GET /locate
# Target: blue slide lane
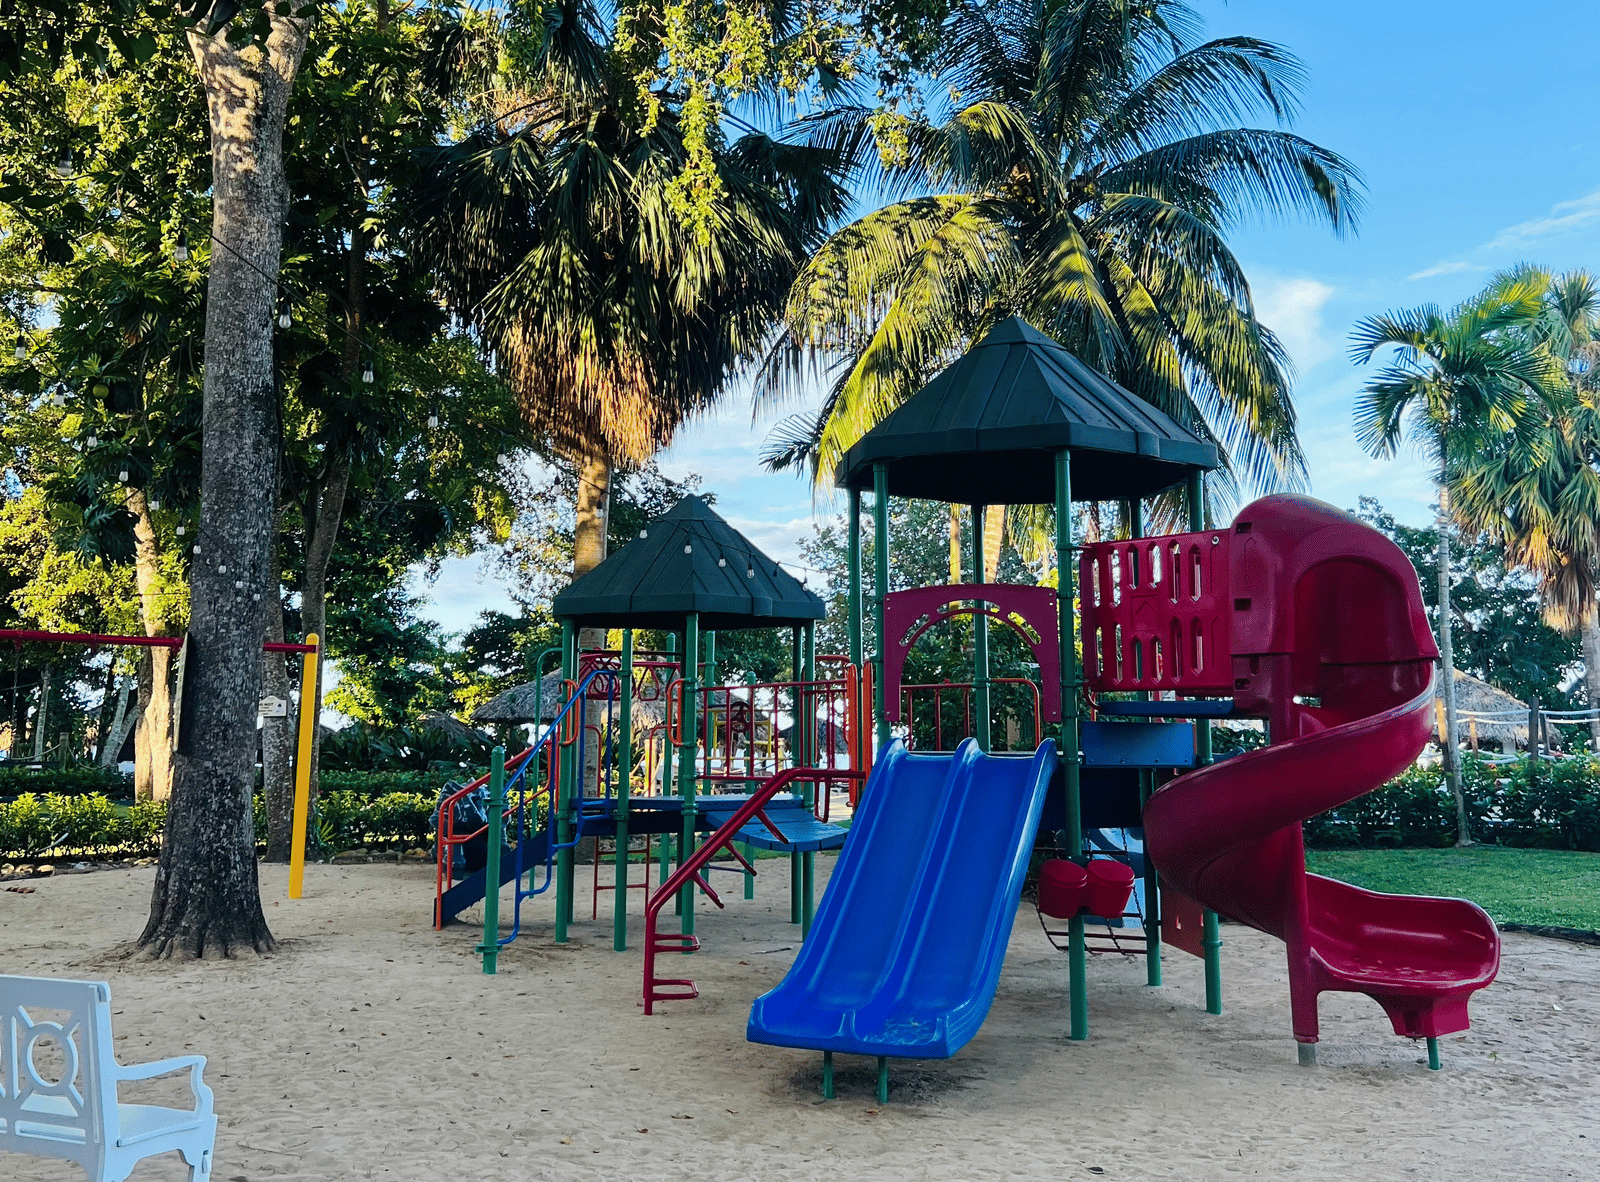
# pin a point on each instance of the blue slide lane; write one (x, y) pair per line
(905, 951)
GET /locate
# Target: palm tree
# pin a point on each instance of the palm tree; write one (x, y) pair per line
(1536, 489)
(1081, 169)
(1459, 381)
(554, 233)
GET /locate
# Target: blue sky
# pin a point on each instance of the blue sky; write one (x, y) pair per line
(1474, 126)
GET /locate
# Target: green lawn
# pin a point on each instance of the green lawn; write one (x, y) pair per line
(1559, 888)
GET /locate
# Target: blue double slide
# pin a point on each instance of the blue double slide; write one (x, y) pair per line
(905, 951)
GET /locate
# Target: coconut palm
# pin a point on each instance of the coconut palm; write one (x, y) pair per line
(553, 231)
(1081, 168)
(1458, 381)
(1536, 489)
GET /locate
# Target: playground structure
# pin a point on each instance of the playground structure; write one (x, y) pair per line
(593, 774)
(1295, 615)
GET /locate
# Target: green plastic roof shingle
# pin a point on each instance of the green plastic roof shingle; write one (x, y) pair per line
(985, 431)
(688, 560)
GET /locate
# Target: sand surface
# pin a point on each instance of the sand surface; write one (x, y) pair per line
(372, 1046)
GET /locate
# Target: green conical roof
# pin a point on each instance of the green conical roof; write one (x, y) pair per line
(689, 560)
(985, 431)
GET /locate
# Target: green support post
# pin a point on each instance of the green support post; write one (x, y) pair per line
(1077, 947)
(491, 870)
(569, 771)
(1433, 1055)
(745, 847)
(624, 774)
(1210, 929)
(880, 588)
(796, 759)
(854, 559)
(808, 859)
(980, 642)
(666, 779)
(827, 1075)
(690, 727)
(883, 1079)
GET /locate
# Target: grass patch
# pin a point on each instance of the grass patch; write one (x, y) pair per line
(1559, 888)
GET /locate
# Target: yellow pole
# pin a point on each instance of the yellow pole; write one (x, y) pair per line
(302, 767)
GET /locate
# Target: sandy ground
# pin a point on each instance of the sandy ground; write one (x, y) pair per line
(371, 1046)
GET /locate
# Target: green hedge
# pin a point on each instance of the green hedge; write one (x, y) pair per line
(372, 784)
(93, 826)
(71, 781)
(1558, 808)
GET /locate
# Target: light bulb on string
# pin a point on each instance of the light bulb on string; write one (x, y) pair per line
(433, 420)
(368, 376)
(155, 506)
(687, 548)
(21, 351)
(501, 458)
(180, 250)
(180, 531)
(64, 163)
(122, 476)
(94, 441)
(285, 316)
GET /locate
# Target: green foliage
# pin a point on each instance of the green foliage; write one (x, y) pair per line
(89, 825)
(348, 820)
(72, 781)
(93, 826)
(1079, 163)
(368, 784)
(1555, 888)
(1555, 806)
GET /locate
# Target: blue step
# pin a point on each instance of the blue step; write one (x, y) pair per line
(469, 890)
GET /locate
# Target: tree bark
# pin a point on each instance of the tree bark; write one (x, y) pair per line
(207, 898)
(121, 723)
(593, 512)
(1447, 741)
(994, 536)
(1590, 633)
(955, 544)
(277, 734)
(152, 743)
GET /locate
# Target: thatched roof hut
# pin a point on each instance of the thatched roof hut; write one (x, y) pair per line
(1496, 715)
(538, 701)
(459, 731)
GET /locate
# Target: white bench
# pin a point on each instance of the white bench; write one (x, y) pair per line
(58, 1085)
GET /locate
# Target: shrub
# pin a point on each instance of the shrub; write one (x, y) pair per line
(71, 781)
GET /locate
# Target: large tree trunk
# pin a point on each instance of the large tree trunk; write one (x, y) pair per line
(152, 743)
(593, 505)
(122, 721)
(994, 536)
(207, 899)
(1447, 741)
(277, 734)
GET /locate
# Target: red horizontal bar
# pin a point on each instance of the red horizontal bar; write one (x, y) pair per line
(18, 635)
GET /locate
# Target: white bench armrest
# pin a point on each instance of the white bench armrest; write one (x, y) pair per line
(193, 1064)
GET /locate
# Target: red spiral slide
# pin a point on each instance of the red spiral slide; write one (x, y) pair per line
(1329, 642)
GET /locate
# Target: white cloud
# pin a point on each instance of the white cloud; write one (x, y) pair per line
(1292, 307)
(1565, 218)
(1451, 268)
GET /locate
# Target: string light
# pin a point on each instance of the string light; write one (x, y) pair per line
(180, 531)
(722, 562)
(433, 420)
(367, 374)
(21, 351)
(750, 573)
(94, 441)
(644, 533)
(180, 251)
(64, 163)
(155, 506)
(688, 549)
(285, 316)
(501, 458)
(59, 397)
(122, 476)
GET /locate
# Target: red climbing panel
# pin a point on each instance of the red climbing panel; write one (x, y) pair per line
(1155, 614)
